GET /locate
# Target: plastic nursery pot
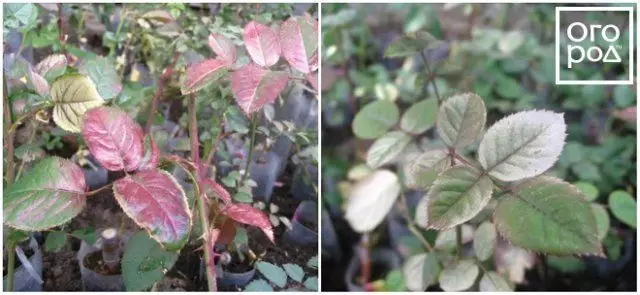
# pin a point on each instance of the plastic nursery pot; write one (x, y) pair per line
(606, 268)
(330, 241)
(235, 273)
(264, 171)
(383, 260)
(300, 108)
(302, 187)
(28, 278)
(304, 225)
(96, 175)
(98, 274)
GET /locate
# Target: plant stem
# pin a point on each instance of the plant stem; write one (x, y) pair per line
(252, 135)
(365, 260)
(459, 241)
(412, 226)
(156, 96)
(9, 136)
(431, 76)
(96, 191)
(202, 208)
(11, 264)
(32, 136)
(114, 46)
(62, 37)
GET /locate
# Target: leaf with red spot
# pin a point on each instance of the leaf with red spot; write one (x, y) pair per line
(253, 87)
(299, 38)
(223, 47)
(212, 188)
(48, 195)
(247, 214)
(262, 44)
(202, 73)
(155, 201)
(151, 155)
(313, 80)
(113, 138)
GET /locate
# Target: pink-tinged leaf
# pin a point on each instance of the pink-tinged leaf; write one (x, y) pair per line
(223, 47)
(299, 39)
(253, 87)
(313, 80)
(262, 44)
(213, 189)
(313, 62)
(52, 63)
(214, 234)
(151, 154)
(113, 138)
(49, 195)
(247, 214)
(155, 201)
(629, 114)
(40, 85)
(202, 73)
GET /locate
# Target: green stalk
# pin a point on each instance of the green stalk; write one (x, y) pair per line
(11, 267)
(459, 241)
(252, 135)
(9, 136)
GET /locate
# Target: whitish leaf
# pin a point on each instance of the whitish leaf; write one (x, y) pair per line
(200, 74)
(72, 96)
(623, 207)
(513, 261)
(273, 273)
(411, 44)
(262, 44)
(510, 42)
(420, 116)
(49, 195)
(375, 119)
(103, 74)
(371, 199)
(459, 276)
(157, 203)
(602, 220)
(421, 271)
(522, 145)
(421, 172)
(555, 215)
(422, 212)
(294, 271)
(447, 239)
(484, 242)
(52, 66)
(457, 195)
(223, 47)
(253, 87)
(258, 285)
(313, 262)
(299, 40)
(461, 119)
(385, 149)
(494, 282)
(145, 262)
(311, 283)
(55, 241)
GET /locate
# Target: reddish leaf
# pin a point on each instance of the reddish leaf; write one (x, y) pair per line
(223, 47)
(211, 188)
(113, 138)
(629, 114)
(299, 38)
(201, 74)
(151, 154)
(262, 44)
(247, 214)
(227, 231)
(253, 87)
(155, 201)
(40, 85)
(214, 233)
(313, 80)
(313, 62)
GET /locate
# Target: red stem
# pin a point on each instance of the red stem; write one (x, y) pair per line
(365, 260)
(156, 96)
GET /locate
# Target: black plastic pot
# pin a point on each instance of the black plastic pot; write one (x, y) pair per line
(25, 280)
(93, 281)
(307, 211)
(330, 241)
(300, 108)
(383, 258)
(239, 279)
(302, 187)
(264, 171)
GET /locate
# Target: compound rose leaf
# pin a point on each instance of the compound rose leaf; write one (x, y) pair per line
(247, 214)
(72, 96)
(212, 188)
(49, 195)
(155, 201)
(299, 39)
(113, 138)
(262, 44)
(461, 119)
(151, 156)
(202, 73)
(223, 47)
(253, 87)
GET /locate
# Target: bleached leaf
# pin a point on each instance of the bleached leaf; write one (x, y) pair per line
(459, 276)
(421, 271)
(461, 119)
(371, 199)
(513, 261)
(253, 87)
(422, 212)
(386, 148)
(262, 44)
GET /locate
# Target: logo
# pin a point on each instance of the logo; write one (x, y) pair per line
(582, 39)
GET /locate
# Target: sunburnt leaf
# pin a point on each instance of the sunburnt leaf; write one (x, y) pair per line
(156, 202)
(299, 40)
(113, 138)
(522, 145)
(457, 195)
(49, 195)
(385, 149)
(253, 87)
(420, 116)
(461, 119)
(374, 119)
(371, 199)
(421, 172)
(247, 214)
(72, 96)
(262, 44)
(550, 216)
(145, 262)
(223, 47)
(202, 73)
(459, 276)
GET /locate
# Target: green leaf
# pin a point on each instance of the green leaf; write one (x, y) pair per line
(567, 264)
(273, 273)
(311, 283)
(623, 207)
(13, 237)
(29, 152)
(587, 171)
(589, 190)
(294, 271)
(457, 195)
(550, 216)
(623, 96)
(103, 74)
(145, 262)
(485, 241)
(375, 119)
(420, 116)
(494, 282)
(19, 16)
(461, 119)
(421, 172)
(88, 235)
(421, 271)
(602, 220)
(385, 149)
(411, 43)
(259, 285)
(73, 95)
(459, 276)
(508, 88)
(313, 262)
(55, 241)
(394, 282)
(49, 195)
(522, 145)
